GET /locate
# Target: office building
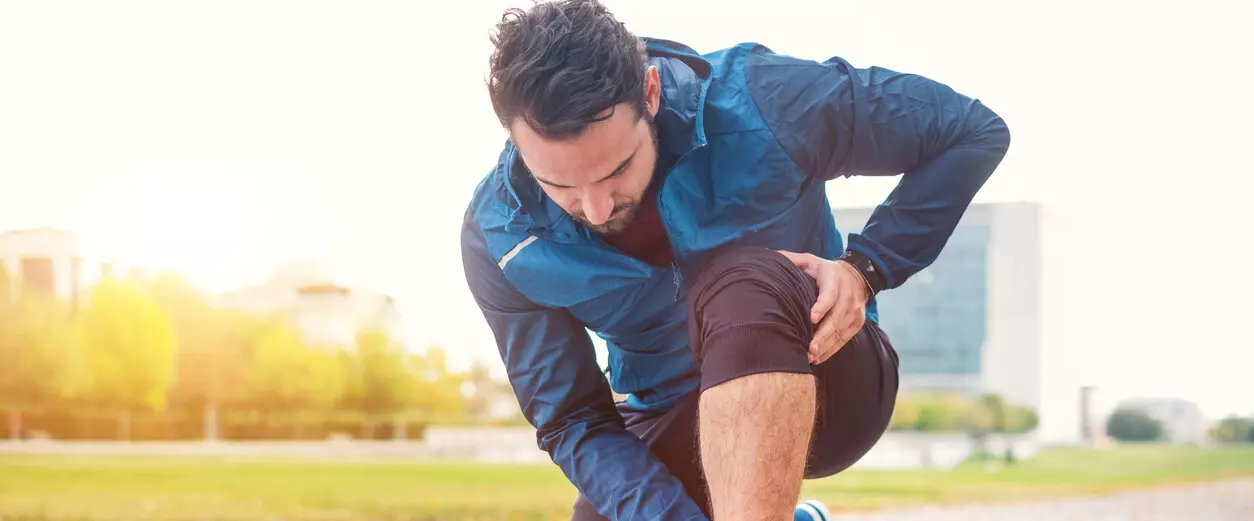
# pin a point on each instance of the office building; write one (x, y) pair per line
(51, 262)
(327, 313)
(991, 314)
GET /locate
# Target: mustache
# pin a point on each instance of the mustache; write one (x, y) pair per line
(618, 211)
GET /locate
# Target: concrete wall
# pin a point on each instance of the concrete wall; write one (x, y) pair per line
(915, 450)
(1061, 375)
(896, 450)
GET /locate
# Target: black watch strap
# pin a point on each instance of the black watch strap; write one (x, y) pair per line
(875, 280)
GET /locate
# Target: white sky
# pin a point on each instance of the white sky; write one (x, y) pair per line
(221, 138)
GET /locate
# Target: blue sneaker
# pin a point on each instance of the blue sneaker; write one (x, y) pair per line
(811, 510)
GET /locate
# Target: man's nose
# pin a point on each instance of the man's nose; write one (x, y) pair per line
(597, 208)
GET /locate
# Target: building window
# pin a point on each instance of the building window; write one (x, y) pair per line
(37, 276)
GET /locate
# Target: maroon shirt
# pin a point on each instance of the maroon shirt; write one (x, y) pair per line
(645, 238)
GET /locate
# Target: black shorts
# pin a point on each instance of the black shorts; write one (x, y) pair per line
(749, 313)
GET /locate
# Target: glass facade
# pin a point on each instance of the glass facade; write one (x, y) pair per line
(937, 319)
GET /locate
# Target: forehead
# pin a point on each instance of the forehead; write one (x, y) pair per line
(586, 158)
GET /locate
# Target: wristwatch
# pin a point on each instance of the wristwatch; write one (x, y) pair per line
(871, 273)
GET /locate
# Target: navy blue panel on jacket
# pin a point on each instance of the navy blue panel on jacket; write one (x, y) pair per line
(755, 135)
(836, 120)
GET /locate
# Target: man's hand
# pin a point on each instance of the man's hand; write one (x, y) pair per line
(840, 309)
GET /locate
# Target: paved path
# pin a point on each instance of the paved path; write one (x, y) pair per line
(1218, 501)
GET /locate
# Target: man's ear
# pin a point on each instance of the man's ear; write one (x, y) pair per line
(652, 91)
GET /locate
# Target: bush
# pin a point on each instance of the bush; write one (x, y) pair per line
(1020, 420)
(949, 412)
(1234, 429)
(1133, 425)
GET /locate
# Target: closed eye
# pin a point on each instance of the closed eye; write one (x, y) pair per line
(622, 167)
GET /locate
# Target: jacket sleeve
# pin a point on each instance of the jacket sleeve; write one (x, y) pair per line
(837, 121)
(552, 367)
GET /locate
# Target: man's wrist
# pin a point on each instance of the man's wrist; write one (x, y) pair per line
(871, 274)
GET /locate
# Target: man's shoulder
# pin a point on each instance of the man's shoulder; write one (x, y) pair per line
(764, 70)
(717, 57)
(487, 224)
(750, 71)
(729, 62)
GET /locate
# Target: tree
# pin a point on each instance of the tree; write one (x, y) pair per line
(1127, 424)
(490, 400)
(1020, 420)
(212, 347)
(6, 285)
(129, 346)
(944, 413)
(905, 414)
(285, 375)
(995, 407)
(438, 391)
(1234, 429)
(380, 383)
(40, 364)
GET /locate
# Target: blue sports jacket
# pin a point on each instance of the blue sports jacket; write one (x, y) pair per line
(756, 133)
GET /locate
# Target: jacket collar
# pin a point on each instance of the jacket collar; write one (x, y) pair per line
(685, 78)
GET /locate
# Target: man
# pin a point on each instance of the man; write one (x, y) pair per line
(674, 203)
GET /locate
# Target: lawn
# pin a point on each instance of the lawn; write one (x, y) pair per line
(168, 489)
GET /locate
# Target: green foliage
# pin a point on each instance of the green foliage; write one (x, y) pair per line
(905, 414)
(485, 394)
(129, 345)
(1234, 429)
(1133, 425)
(159, 358)
(41, 362)
(1020, 420)
(438, 390)
(6, 284)
(286, 374)
(212, 344)
(994, 408)
(948, 412)
(945, 413)
(379, 379)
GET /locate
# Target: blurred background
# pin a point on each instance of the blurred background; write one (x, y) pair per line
(231, 288)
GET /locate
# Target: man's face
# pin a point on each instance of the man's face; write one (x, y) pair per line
(600, 176)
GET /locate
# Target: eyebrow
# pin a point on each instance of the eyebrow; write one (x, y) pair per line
(617, 170)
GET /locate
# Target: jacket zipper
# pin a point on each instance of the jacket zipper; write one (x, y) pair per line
(677, 278)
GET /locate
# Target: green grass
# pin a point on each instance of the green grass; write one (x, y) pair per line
(167, 489)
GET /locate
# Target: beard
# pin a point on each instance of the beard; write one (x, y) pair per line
(625, 213)
(622, 217)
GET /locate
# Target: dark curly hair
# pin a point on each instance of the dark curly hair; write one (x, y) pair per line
(561, 65)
